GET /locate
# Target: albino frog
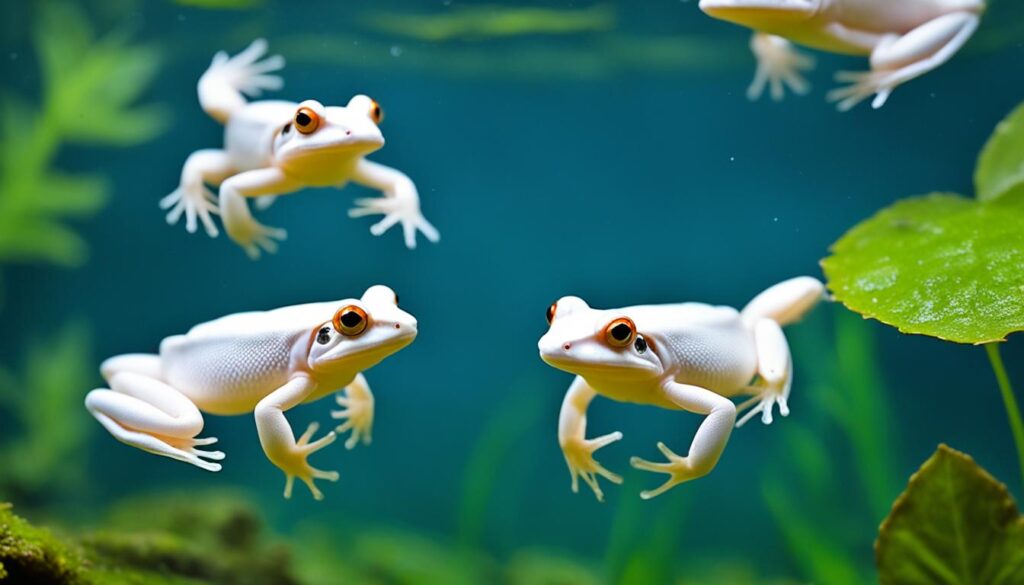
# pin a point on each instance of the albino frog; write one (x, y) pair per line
(264, 362)
(687, 356)
(277, 147)
(904, 39)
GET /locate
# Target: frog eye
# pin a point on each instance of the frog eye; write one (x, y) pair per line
(640, 345)
(306, 120)
(376, 113)
(551, 312)
(350, 321)
(620, 332)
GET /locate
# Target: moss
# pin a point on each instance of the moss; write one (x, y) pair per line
(34, 555)
(162, 540)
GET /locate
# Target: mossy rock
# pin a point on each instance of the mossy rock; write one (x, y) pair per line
(34, 555)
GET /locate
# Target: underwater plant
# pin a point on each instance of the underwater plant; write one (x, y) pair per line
(494, 21)
(826, 531)
(80, 72)
(42, 452)
(159, 539)
(947, 266)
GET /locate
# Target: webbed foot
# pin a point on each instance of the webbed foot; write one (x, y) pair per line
(194, 202)
(863, 84)
(678, 468)
(358, 416)
(396, 210)
(779, 66)
(246, 72)
(579, 456)
(298, 466)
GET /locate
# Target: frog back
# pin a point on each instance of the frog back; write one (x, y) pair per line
(700, 344)
(227, 365)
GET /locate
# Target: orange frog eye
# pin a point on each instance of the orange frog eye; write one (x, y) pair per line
(306, 120)
(551, 312)
(620, 332)
(351, 321)
(376, 113)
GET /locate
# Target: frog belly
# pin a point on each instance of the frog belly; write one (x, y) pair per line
(226, 376)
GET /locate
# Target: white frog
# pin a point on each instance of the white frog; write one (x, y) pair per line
(904, 39)
(277, 147)
(687, 356)
(264, 362)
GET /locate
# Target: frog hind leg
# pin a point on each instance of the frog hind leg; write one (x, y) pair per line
(143, 411)
(899, 59)
(192, 198)
(224, 85)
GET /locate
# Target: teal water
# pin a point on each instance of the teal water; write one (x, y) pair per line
(584, 163)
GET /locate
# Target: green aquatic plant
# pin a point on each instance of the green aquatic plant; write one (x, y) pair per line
(89, 87)
(215, 539)
(607, 55)
(954, 525)
(947, 266)
(821, 525)
(494, 21)
(43, 449)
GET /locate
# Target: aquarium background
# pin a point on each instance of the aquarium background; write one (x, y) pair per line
(605, 150)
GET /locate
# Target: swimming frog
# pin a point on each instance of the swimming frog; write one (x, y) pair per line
(277, 147)
(264, 362)
(903, 38)
(687, 356)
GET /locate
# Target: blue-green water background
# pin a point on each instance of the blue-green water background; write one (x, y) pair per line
(610, 179)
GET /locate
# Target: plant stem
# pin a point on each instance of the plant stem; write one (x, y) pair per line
(1012, 409)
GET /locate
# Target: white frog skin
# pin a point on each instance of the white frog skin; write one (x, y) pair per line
(276, 147)
(904, 39)
(687, 356)
(263, 362)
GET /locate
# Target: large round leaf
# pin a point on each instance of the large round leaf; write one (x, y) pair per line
(938, 265)
(1000, 168)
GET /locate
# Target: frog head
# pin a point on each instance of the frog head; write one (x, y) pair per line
(597, 344)
(361, 333)
(318, 135)
(764, 15)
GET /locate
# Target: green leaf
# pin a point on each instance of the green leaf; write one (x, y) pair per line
(954, 525)
(1000, 168)
(938, 265)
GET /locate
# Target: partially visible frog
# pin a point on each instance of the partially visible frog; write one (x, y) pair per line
(904, 39)
(264, 362)
(277, 147)
(687, 356)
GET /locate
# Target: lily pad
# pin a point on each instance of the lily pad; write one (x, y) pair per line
(939, 265)
(1000, 170)
(954, 525)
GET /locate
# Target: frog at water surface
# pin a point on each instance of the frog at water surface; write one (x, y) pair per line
(687, 356)
(903, 38)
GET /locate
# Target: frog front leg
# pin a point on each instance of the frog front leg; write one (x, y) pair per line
(279, 443)
(400, 204)
(357, 412)
(708, 443)
(572, 437)
(238, 221)
(897, 59)
(143, 411)
(779, 65)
